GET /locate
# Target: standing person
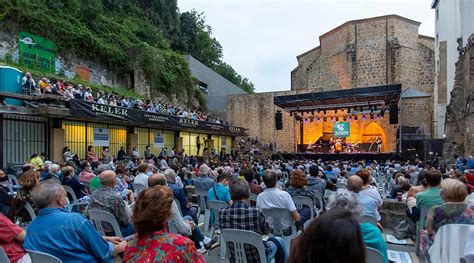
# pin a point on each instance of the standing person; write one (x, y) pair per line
(198, 145)
(153, 243)
(37, 160)
(378, 143)
(121, 155)
(135, 154)
(147, 153)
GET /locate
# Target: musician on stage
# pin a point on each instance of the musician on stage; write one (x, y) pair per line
(331, 145)
(310, 147)
(378, 143)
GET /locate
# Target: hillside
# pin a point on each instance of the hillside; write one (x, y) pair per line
(126, 34)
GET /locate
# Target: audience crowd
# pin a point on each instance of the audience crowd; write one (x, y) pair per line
(158, 216)
(69, 91)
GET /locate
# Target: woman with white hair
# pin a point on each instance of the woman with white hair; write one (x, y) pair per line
(371, 234)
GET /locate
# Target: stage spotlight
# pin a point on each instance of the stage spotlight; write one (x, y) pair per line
(378, 116)
(363, 117)
(350, 118)
(332, 119)
(371, 116)
(356, 117)
(318, 119)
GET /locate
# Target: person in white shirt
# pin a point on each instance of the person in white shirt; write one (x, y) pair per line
(370, 192)
(273, 197)
(101, 101)
(141, 177)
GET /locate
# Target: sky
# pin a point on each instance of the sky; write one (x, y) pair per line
(261, 38)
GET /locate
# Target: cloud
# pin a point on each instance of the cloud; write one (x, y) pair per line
(261, 39)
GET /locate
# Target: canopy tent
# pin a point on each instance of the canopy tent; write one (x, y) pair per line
(377, 95)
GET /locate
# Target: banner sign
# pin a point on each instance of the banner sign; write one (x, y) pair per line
(101, 137)
(158, 140)
(36, 52)
(342, 129)
(84, 109)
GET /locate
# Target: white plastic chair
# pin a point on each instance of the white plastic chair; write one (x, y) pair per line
(304, 201)
(419, 226)
(239, 238)
(449, 243)
(278, 215)
(3, 256)
(30, 210)
(99, 217)
(75, 202)
(215, 206)
(373, 255)
(40, 257)
(13, 180)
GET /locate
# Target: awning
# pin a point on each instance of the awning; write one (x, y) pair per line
(377, 95)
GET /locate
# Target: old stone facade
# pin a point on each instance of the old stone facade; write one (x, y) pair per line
(460, 112)
(360, 53)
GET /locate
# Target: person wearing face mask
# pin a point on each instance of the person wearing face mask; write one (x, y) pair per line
(73, 238)
(86, 174)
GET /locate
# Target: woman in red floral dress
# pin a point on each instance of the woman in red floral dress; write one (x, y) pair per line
(153, 243)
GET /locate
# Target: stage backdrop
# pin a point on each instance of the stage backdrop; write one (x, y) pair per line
(342, 129)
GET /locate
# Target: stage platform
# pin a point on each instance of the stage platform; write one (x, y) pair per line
(337, 156)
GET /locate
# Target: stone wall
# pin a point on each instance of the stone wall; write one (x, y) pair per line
(370, 52)
(459, 125)
(359, 53)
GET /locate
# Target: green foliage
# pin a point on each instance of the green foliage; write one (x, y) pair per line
(123, 34)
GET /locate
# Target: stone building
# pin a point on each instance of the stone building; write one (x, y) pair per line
(360, 53)
(460, 112)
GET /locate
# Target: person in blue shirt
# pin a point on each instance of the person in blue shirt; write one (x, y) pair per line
(67, 236)
(220, 191)
(186, 208)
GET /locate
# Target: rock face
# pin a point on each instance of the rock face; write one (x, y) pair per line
(459, 126)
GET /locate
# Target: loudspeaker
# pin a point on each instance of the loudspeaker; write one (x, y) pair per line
(279, 121)
(393, 114)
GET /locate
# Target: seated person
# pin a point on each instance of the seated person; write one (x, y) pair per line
(371, 234)
(185, 225)
(73, 237)
(186, 208)
(298, 188)
(11, 239)
(273, 197)
(203, 181)
(432, 195)
(453, 211)
(369, 192)
(240, 215)
(152, 242)
(369, 205)
(69, 180)
(107, 199)
(334, 237)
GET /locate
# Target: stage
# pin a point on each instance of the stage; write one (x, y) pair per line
(336, 156)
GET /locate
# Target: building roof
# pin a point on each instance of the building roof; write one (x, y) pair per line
(377, 95)
(413, 93)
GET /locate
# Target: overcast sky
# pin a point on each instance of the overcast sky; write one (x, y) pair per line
(261, 38)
